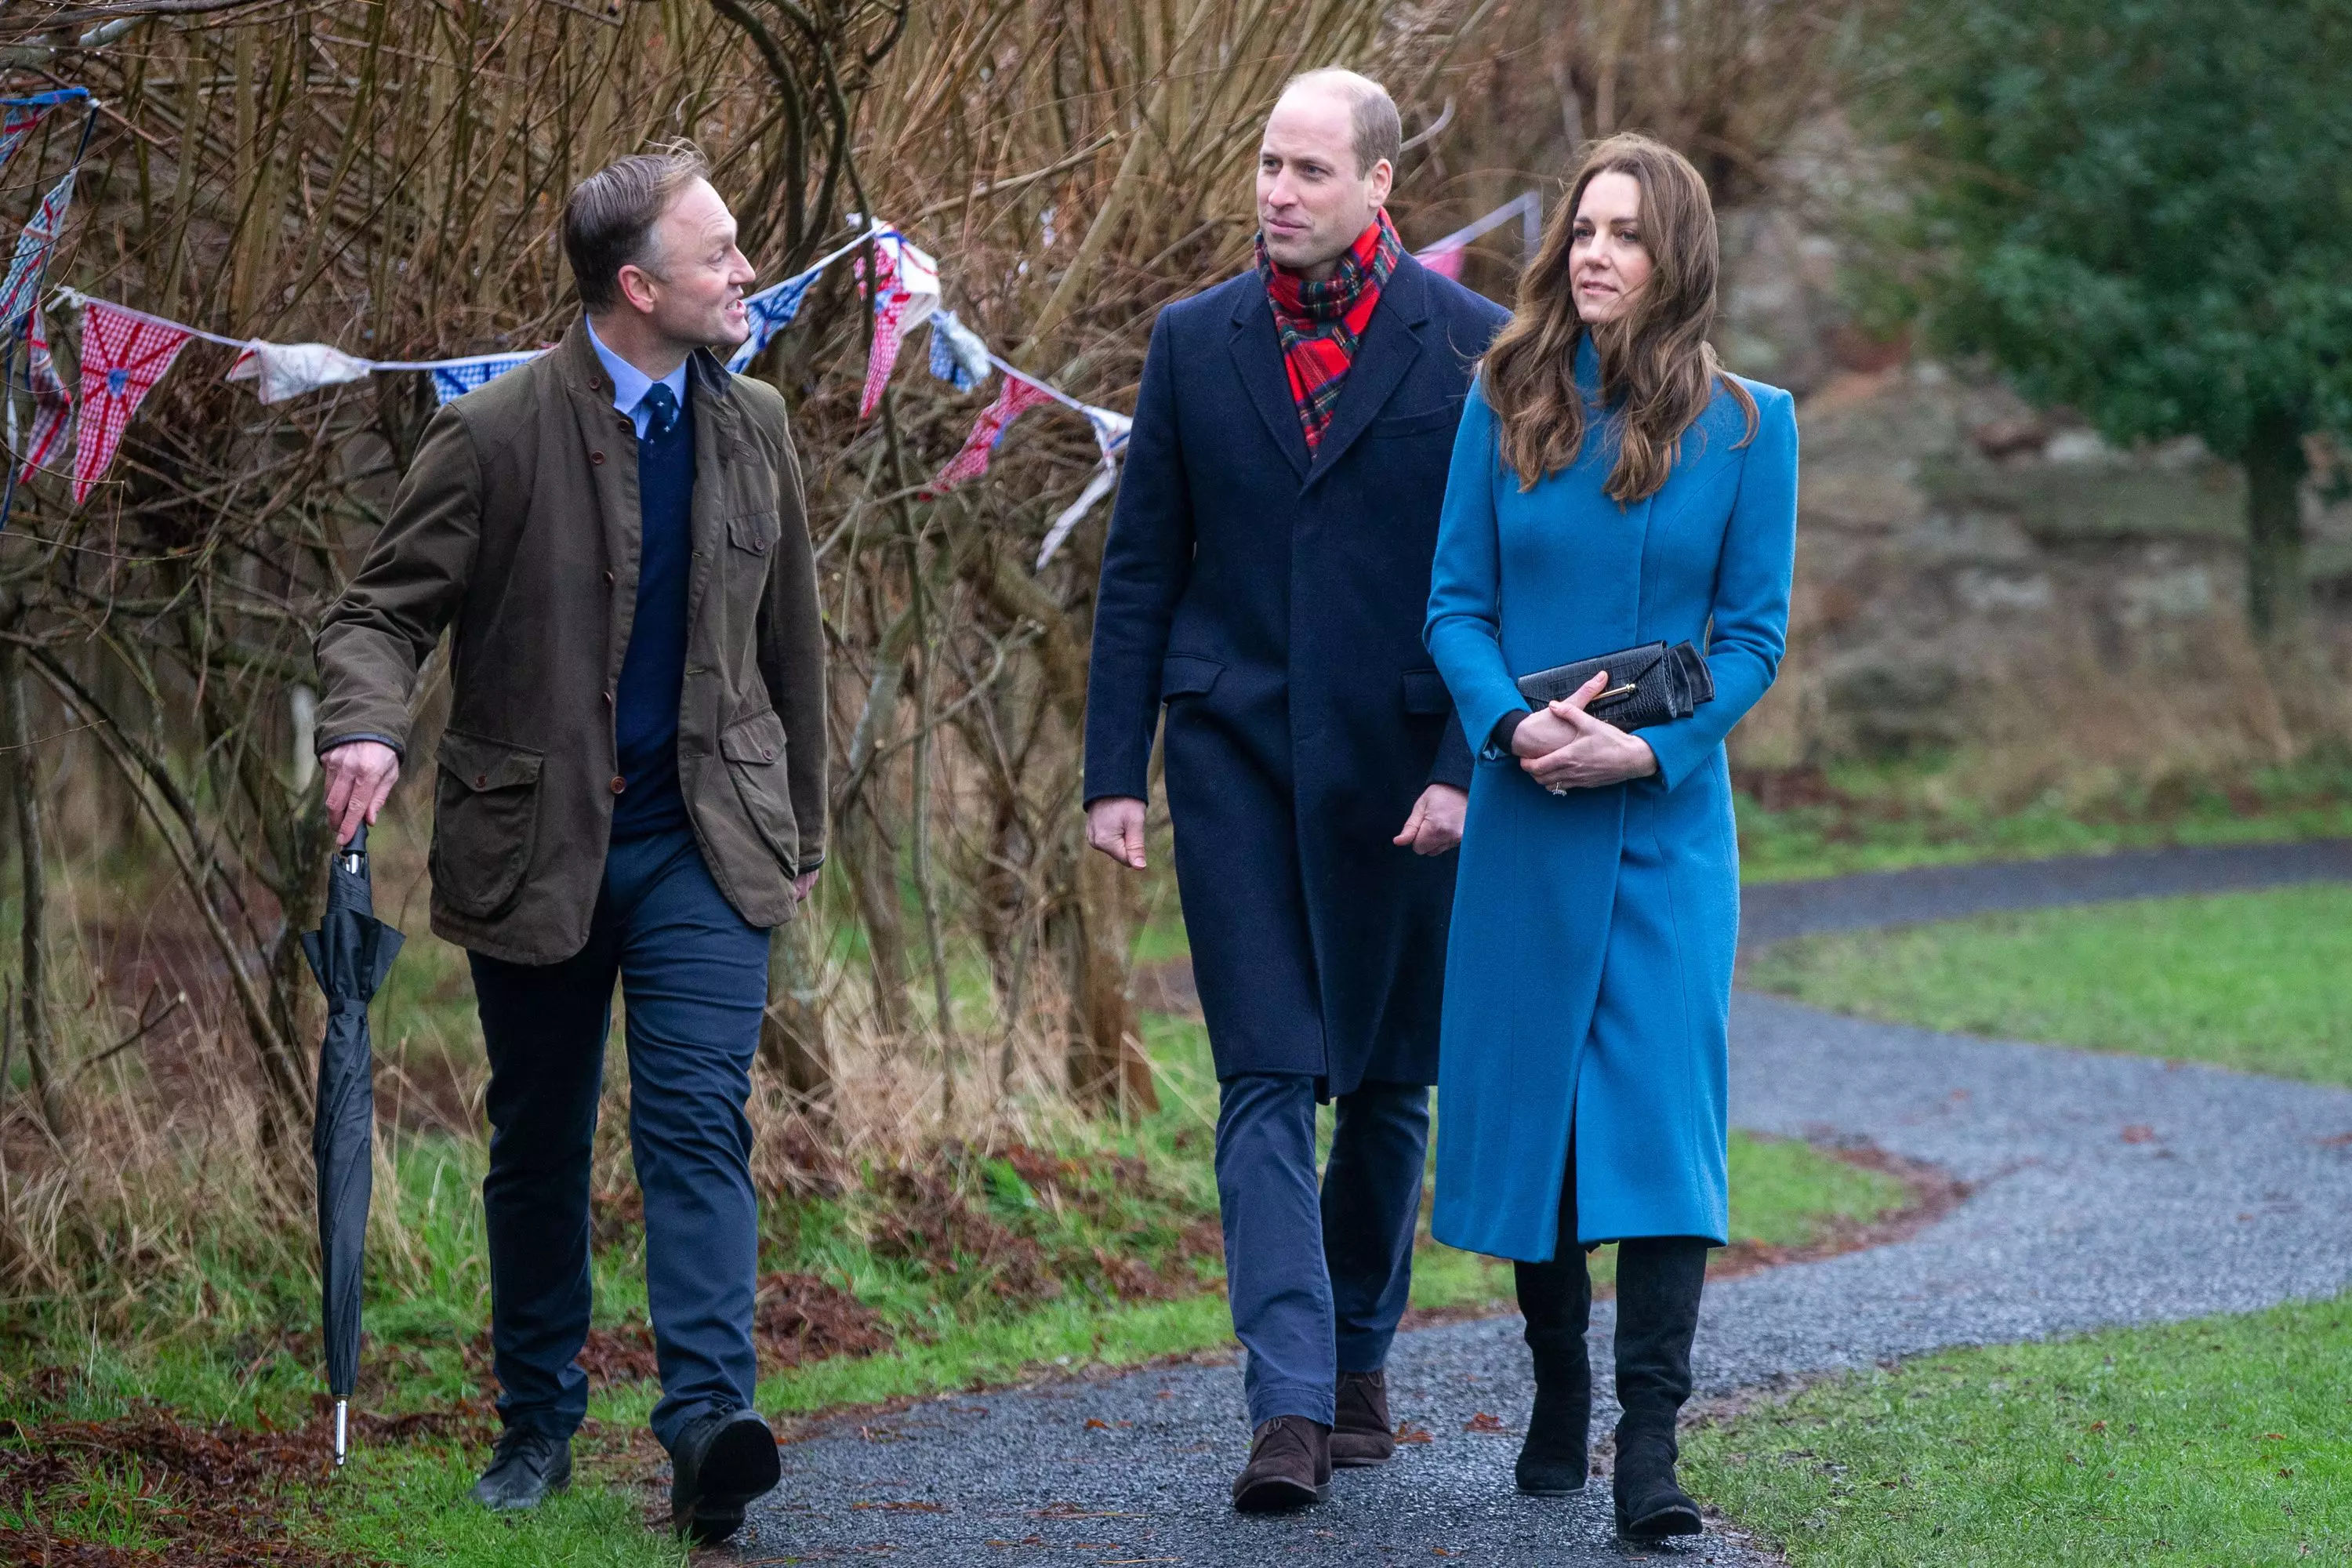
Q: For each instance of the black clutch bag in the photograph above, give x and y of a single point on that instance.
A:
(1652, 684)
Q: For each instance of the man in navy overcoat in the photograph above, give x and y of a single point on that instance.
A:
(1265, 578)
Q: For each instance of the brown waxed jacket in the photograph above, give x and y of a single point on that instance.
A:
(519, 520)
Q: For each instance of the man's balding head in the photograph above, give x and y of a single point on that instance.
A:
(1325, 167)
(1377, 130)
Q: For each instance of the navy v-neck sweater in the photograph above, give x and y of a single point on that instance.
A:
(653, 672)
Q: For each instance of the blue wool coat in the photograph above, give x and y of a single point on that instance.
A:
(1589, 977)
(1273, 604)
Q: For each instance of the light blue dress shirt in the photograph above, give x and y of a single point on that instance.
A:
(630, 383)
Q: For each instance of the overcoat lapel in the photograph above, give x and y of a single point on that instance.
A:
(1390, 344)
(1257, 358)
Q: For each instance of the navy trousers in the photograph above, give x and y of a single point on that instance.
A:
(694, 978)
(1316, 1278)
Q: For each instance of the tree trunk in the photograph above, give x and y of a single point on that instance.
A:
(1106, 1065)
(874, 880)
(792, 1033)
(41, 1055)
(2274, 470)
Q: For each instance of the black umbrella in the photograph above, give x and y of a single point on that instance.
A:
(350, 953)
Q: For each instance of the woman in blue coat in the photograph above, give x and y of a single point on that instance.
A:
(1612, 487)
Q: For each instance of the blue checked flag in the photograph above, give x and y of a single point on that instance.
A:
(771, 310)
(958, 356)
(31, 261)
(459, 377)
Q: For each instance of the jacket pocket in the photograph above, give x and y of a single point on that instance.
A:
(485, 822)
(1186, 675)
(754, 752)
(1426, 693)
(755, 531)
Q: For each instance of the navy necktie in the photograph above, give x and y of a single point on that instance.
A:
(660, 405)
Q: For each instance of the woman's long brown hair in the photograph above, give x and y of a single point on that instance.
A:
(1655, 361)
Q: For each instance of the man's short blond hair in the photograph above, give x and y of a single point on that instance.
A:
(1379, 129)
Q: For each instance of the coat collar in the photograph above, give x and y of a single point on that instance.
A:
(708, 383)
(1390, 344)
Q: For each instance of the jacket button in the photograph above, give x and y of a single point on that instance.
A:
(481, 781)
(597, 458)
(608, 700)
(769, 752)
(608, 579)
(619, 784)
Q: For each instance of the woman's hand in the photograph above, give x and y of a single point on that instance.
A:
(1566, 748)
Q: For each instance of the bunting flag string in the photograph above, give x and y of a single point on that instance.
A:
(53, 405)
(1019, 394)
(126, 352)
(771, 310)
(123, 355)
(18, 116)
(1444, 256)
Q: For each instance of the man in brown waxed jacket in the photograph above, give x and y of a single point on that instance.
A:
(631, 787)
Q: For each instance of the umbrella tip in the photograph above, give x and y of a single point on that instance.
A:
(343, 1430)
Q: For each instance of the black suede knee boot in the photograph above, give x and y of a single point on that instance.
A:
(1557, 1299)
(1658, 1282)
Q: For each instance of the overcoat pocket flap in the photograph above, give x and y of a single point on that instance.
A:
(1425, 692)
(480, 764)
(1420, 423)
(757, 741)
(753, 531)
(1188, 675)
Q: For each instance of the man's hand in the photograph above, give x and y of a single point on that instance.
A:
(359, 776)
(802, 885)
(1435, 824)
(1595, 752)
(1114, 826)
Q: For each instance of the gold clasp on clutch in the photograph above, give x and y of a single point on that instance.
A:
(1625, 690)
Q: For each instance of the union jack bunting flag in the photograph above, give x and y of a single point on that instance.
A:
(771, 310)
(52, 403)
(16, 122)
(31, 261)
(459, 377)
(123, 355)
(986, 432)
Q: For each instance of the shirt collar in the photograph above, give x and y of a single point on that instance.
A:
(629, 383)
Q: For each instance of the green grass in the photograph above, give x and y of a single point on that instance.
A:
(231, 1336)
(2261, 982)
(2221, 1441)
(1878, 816)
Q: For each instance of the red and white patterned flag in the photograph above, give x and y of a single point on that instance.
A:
(986, 432)
(123, 355)
(52, 404)
(906, 292)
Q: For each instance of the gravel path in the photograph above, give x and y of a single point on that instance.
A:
(2107, 1190)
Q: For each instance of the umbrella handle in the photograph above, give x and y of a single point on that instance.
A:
(357, 847)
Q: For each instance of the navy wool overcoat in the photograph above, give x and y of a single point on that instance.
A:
(1274, 604)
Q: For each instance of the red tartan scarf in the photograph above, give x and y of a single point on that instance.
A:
(1321, 323)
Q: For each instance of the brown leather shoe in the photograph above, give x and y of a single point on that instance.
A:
(1361, 1432)
(1290, 1467)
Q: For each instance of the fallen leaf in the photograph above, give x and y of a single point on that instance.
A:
(2273, 1437)
(2098, 1426)
(1096, 1424)
(2139, 1133)
(1407, 1432)
(1482, 1421)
